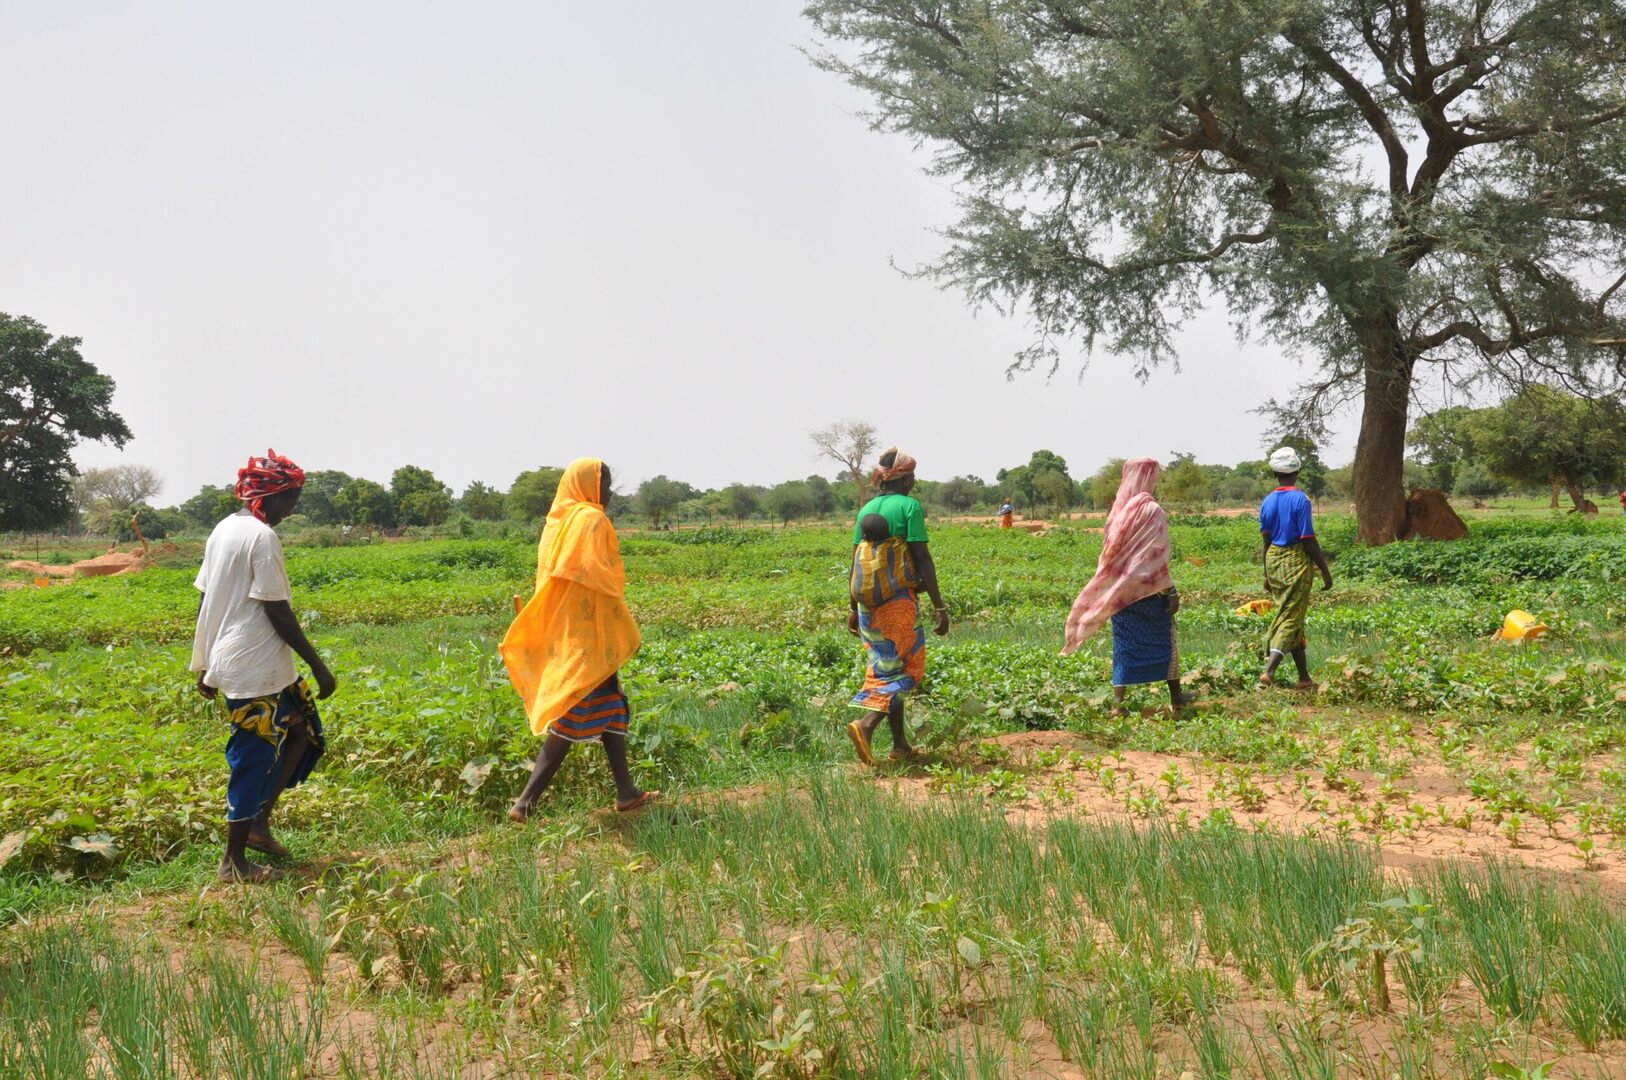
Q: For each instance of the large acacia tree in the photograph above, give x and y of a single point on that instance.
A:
(1377, 184)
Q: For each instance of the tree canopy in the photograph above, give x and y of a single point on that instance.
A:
(1043, 481)
(1184, 483)
(1388, 186)
(214, 501)
(316, 498)
(789, 501)
(531, 495)
(848, 443)
(51, 398)
(660, 496)
(107, 497)
(1541, 435)
(420, 497)
(365, 502)
(480, 502)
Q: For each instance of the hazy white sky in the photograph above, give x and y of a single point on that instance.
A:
(483, 237)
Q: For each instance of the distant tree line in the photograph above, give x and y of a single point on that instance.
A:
(1537, 440)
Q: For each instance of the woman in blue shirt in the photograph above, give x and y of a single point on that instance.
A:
(1292, 554)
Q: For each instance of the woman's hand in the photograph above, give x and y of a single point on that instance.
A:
(942, 621)
(1174, 601)
(204, 688)
(852, 622)
(1326, 580)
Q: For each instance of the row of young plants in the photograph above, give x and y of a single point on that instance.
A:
(830, 930)
(119, 761)
(795, 579)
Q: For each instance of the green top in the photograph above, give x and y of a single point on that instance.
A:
(904, 517)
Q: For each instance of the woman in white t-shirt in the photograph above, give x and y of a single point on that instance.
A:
(243, 648)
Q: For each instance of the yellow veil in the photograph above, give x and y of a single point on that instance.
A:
(576, 631)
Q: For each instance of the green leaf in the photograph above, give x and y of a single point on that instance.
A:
(970, 951)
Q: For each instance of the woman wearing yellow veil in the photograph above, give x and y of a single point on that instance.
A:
(566, 646)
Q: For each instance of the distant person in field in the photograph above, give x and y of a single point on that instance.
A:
(1133, 587)
(566, 646)
(1292, 556)
(244, 649)
(1007, 514)
(891, 564)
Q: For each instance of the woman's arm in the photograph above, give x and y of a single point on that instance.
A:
(1312, 548)
(286, 624)
(927, 569)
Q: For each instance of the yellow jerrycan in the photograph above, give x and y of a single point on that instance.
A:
(1255, 607)
(1520, 625)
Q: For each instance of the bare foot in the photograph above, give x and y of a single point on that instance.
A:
(247, 873)
(1304, 684)
(1266, 681)
(262, 841)
(1118, 712)
(518, 814)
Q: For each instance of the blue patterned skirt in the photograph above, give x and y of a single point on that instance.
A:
(1144, 647)
(602, 711)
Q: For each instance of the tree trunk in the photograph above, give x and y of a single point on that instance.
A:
(1583, 505)
(1379, 474)
(1554, 504)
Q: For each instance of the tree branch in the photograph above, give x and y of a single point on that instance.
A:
(1187, 258)
(1603, 298)
(1496, 135)
(1376, 118)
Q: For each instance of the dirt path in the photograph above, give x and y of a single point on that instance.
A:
(1430, 819)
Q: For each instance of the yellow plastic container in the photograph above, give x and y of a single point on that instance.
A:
(42, 582)
(1521, 626)
(1255, 607)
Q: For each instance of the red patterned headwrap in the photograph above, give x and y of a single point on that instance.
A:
(264, 476)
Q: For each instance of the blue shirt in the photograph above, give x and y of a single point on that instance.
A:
(1284, 516)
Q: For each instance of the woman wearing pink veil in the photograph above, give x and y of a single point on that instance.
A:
(1133, 588)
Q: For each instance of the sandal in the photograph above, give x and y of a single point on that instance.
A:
(643, 800)
(855, 732)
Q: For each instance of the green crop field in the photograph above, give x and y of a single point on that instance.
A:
(1417, 871)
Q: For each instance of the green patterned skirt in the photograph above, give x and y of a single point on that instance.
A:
(1290, 576)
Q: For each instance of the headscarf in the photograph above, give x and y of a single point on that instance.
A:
(902, 465)
(266, 476)
(1134, 560)
(576, 631)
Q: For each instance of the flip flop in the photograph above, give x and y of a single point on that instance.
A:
(910, 754)
(643, 800)
(860, 743)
